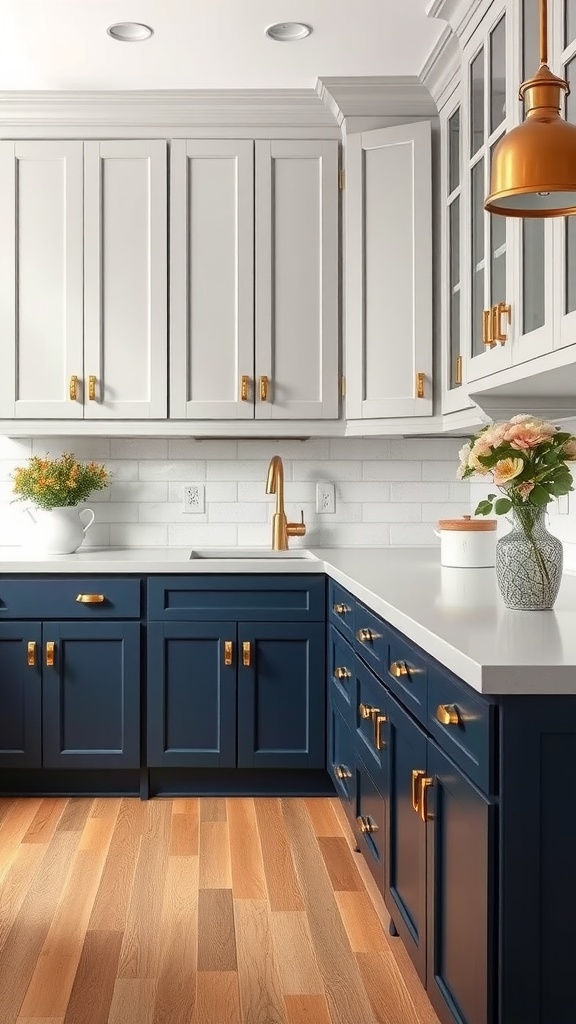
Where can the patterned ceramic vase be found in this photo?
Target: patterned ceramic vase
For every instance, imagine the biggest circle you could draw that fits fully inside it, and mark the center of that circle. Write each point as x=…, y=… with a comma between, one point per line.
x=529, y=562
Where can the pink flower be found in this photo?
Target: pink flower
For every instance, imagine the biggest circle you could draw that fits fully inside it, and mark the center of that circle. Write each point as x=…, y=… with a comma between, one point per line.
x=529, y=434
x=506, y=469
x=525, y=488
x=569, y=449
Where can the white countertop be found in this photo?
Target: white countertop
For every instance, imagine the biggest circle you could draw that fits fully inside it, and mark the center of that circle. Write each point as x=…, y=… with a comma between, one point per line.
x=456, y=615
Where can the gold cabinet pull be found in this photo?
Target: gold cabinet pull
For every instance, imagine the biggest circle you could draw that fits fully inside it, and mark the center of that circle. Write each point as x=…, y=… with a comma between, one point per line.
x=244, y=381
x=367, y=636
x=342, y=772
x=92, y=388
x=366, y=823
x=500, y=310
x=73, y=388
x=447, y=714
x=90, y=598
x=341, y=609
x=398, y=669
x=264, y=389
x=342, y=673
x=228, y=651
x=458, y=371
x=50, y=649
x=31, y=653
x=366, y=710
x=420, y=384
x=246, y=653
x=417, y=774
x=379, y=721
x=487, y=327
x=425, y=784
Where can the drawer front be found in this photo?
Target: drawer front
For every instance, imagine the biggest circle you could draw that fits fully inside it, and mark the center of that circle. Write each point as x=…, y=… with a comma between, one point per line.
x=371, y=639
x=59, y=599
x=341, y=610
x=341, y=661
x=370, y=703
x=370, y=824
x=254, y=598
x=463, y=726
x=406, y=675
x=341, y=762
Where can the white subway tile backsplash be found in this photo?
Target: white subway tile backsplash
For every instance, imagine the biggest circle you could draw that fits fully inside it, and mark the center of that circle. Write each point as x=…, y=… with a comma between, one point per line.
x=97, y=448
x=185, y=470
x=373, y=490
x=237, y=512
x=360, y=448
x=138, y=448
x=339, y=470
x=203, y=535
x=419, y=492
x=188, y=448
x=138, y=491
x=426, y=448
x=15, y=448
x=413, y=533
x=405, y=471
x=135, y=535
x=234, y=470
x=315, y=448
x=440, y=470
x=391, y=512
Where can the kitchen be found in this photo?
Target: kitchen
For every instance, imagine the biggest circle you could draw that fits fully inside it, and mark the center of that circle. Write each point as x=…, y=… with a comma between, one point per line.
x=246, y=261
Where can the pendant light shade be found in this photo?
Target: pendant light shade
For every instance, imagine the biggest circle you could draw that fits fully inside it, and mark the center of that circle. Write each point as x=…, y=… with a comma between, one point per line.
x=533, y=170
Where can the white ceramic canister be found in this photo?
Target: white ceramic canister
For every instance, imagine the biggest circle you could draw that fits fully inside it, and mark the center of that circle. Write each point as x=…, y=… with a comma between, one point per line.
x=467, y=543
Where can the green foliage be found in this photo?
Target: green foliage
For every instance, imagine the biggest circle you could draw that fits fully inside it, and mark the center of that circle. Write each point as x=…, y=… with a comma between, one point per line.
x=52, y=483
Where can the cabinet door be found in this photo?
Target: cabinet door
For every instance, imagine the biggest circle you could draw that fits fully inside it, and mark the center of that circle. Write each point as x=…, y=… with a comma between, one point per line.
x=191, y=694
x=564, y=14
x=388, y=272
x=212, y=279
x=297, y=279
x=405, y=883
x=341, y=761
x=40, y=278
x=125, y=280
x=91, y=695
x=461, y=869
x=281, y=702
x=20, y=695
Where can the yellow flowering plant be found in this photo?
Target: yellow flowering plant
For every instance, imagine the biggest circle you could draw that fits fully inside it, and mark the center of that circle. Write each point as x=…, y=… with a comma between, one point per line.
x=52, y=483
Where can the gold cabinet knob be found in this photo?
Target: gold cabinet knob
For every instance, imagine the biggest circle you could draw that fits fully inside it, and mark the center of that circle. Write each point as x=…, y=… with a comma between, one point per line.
x=341, y=609
x=367, y=711
x=73, y=388
x=342, y=673
x=342, y=772
x=90, y=598
x=447, y=714
x=398, y=669
x=366, y=823
x=367, y=636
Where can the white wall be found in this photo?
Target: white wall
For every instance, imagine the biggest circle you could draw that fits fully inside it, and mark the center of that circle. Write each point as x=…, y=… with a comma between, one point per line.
x=387, y=492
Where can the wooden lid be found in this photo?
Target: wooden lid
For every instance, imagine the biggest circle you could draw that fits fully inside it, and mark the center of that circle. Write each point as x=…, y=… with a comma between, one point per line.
x=468, y=524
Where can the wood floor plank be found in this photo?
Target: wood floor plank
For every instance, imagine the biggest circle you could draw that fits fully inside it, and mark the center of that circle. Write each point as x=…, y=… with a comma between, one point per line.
x=386, y=990
x=213, y=808
x=184, y=840
x=105, y=807
x=14, y=827
x=363, y=927
x=307, y=1010
x=322, y=816
x=281, y=881
x=40, y=1020
x=297, y=967
x=16, y=884
x=260, y=992
x=93, y=987
x=340, y=864
x=216, y=934
x=176, y=994
x=186, y=805
x=110, y=908
x=133, y=1001
x=248, y=879
x=44, y=823
x=75, y=813
x=424, y=1011
x=217, y=998
x=215, y=871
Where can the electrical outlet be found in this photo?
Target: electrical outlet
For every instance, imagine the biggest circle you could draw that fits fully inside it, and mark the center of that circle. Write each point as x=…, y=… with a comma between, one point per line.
x=193, y=498
x=563, y=505
x=325, y=498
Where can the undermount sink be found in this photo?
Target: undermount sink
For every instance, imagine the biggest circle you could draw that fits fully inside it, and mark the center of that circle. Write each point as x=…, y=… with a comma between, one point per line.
x=253, y=554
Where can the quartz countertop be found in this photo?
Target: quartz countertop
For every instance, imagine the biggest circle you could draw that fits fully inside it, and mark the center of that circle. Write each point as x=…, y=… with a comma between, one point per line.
x=456, y=615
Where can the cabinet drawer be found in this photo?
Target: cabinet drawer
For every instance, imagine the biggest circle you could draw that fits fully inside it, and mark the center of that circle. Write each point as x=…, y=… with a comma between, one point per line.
x=370, y=721
x=406, y=675
x=243, y=598
x=341, y=762
x=341, y=662
x=341, y=610
x=463, y=726
x=59, y=599
x=370, y=824
x=371, y=639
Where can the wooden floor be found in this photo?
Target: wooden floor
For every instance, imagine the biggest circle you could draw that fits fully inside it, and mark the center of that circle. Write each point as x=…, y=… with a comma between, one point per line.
x=210, y=911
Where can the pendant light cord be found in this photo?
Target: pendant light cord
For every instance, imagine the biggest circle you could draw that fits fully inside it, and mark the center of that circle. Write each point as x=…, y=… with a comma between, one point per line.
x=543, y=32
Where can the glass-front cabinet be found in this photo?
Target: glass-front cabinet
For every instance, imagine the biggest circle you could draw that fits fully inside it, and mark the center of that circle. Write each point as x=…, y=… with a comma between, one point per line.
x=454, y=300
x=564, y=35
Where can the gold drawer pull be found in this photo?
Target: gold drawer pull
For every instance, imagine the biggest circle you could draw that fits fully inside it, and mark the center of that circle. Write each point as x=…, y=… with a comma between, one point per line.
x=92, y=388
x=31, y=653
x=73, y=388
x=417, y=774
x=228, y=650
x=367, y=711
x=367, y=636
x=342, y=673
x=366, y=823
x=50, y=650
x=244, y=379
x=420, y=384
x=398, y=669
x=447, y=714
x=487, y=328
x=341, y=609
x=264, y=389
x=90, y=599
x=342, y=772
x=502, y=309
x=378, y=723
x=246, y=653
x=425, y=784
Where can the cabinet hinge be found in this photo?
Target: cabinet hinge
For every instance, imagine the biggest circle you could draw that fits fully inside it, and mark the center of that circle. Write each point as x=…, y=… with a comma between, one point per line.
x=341, y=179
x=343, y=386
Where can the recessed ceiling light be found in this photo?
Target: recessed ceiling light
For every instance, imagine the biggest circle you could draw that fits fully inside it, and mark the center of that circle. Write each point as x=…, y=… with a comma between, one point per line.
x=288, y=31
x=130, y=32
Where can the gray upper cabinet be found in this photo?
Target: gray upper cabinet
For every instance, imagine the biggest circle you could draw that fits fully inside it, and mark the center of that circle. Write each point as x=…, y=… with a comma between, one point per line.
x=254, y=279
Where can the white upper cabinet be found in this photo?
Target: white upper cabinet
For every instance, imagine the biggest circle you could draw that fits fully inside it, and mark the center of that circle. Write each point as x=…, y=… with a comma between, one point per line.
x=388, y=272
x=83, y=280
x=454, y=395
x=564, y=35
x=254, y=280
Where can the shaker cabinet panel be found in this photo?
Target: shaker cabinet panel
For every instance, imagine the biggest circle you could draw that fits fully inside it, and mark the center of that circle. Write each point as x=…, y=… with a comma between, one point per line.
x=20, y=695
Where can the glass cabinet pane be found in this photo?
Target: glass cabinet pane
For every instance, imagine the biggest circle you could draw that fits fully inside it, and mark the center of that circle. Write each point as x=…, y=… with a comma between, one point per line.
x=498, y=74
x=497, y=227
x=454, y=151
x=477, y=103
x=454, y=282
x=570, y=222
x=477, y=256
x=530, y=38
x=569, y=22
x=533, y=303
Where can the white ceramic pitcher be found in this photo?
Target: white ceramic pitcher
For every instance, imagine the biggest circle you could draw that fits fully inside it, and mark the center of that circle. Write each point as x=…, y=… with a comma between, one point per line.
x=60, y=530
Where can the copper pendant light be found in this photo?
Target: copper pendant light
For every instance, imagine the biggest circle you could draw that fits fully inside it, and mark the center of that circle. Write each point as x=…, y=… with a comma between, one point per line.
x=534, y=166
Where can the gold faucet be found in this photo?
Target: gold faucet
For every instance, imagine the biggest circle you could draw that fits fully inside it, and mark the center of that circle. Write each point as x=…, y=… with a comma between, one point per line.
x=281, y=528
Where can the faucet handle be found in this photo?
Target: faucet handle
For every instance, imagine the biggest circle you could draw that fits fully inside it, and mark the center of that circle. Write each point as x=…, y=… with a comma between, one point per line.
x=296, y=529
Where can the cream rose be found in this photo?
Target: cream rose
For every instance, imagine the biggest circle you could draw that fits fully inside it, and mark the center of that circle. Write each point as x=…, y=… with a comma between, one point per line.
x=569, y=449
x=506, y=470
x=524, y=436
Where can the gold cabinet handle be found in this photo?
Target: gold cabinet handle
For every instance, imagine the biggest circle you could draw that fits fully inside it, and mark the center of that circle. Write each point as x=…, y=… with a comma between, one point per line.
x=398, y=669
x=341, y=609
x=264, y=389
x=366, y=823
x=417, y=774
x=246, y=653
x=420, y=384
x=73, y=388
x=228, y=652
x=244, y=382
x=342, y=673
x=500, y=310
x=92, y=388
x=31, y=653
x=379, y=721
x=367, y=711
x=90, y=599
x=50, y=650
x=342, y=772
x=367, y=636
x=447, y=714
x=458, y=371
x=425, y=784
x=487, y=328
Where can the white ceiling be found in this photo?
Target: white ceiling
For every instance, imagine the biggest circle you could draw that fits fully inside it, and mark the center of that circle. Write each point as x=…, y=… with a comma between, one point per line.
x=208, y=44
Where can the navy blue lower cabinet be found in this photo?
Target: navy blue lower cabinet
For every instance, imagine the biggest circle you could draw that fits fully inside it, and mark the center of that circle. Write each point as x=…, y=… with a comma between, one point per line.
x=370, y=824
x=461, y=852
x=281, y=695
x=20, y=695
x=91, y=694
x=341, y=761
x=191, y=712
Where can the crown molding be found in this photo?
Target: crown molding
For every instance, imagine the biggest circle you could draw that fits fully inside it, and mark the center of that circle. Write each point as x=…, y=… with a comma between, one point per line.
x=458, y=13
x=398, y=96
x=442, y=66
